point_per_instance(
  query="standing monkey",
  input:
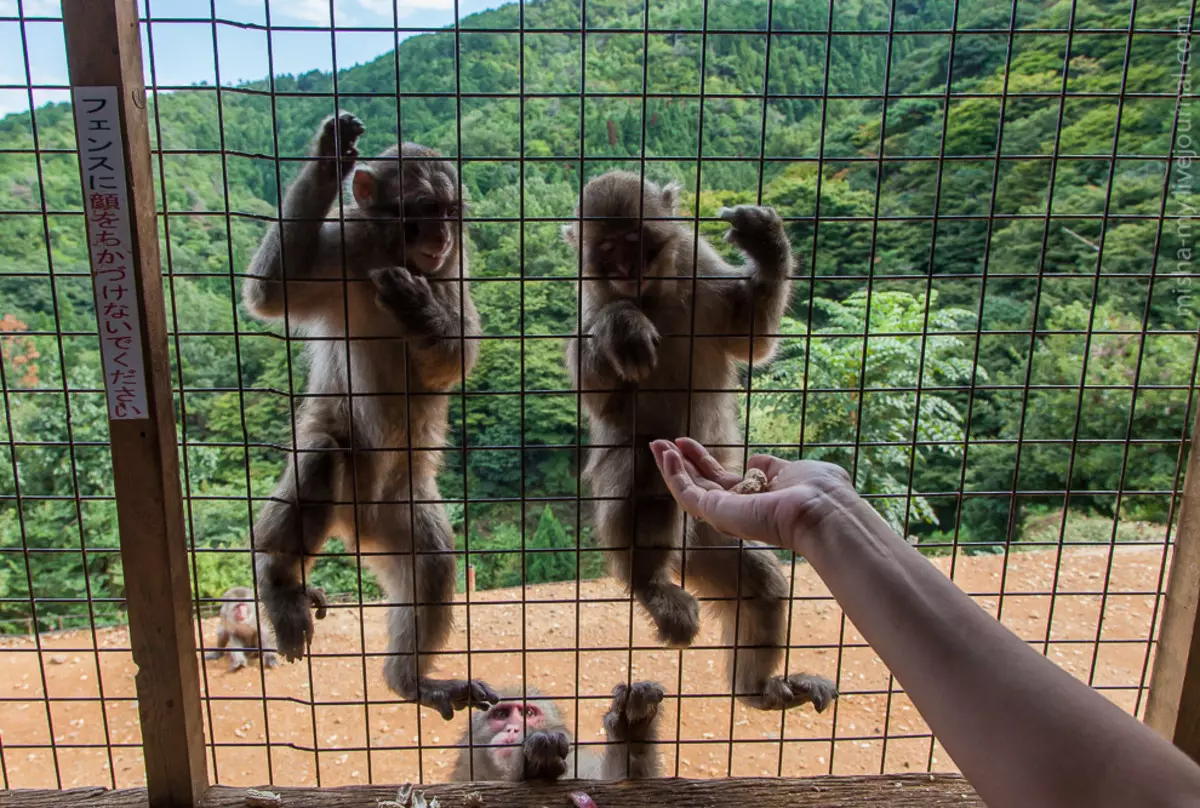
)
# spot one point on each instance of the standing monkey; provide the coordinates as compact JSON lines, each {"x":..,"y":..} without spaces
{"x":518,"y":740}
{"x":243,"y":630}
{"x":637,"y":365}
{"x":390,"y":277}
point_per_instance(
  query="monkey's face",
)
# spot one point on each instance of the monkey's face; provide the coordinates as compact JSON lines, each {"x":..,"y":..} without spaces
{"x":241,"y":612}
{"x":629,"y":244}
{"x":626,"y":255}
{"x":507,"y":723}
{"x":417,"y":218}
{"x":430,"y":233}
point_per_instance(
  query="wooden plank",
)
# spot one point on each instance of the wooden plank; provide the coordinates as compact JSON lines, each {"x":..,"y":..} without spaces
{"x":1173,"y":708}
{"x":900,"y":791}
{"x":104,"y":50}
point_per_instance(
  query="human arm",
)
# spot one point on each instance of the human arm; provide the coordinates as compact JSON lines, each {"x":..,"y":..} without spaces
{"x":1024,"y":732}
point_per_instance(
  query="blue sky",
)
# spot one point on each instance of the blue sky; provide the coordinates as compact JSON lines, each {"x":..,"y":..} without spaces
{"x":184,"y":53}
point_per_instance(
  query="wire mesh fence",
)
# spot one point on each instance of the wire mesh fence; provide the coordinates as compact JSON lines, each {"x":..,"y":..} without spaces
{"x":993,"y":327}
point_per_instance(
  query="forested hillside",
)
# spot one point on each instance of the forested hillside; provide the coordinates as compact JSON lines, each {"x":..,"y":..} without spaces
{"x":958,"y":277}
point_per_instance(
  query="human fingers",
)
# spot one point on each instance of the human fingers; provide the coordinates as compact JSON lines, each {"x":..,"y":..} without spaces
{"x":659,"y":447}
{"x":708,"y":466}
{"x":767,"y":464}
{"x":730,"y":513}
{"x":681,"y":484}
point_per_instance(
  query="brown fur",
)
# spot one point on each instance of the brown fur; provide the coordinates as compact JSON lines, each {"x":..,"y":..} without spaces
{"x":631,"y":724}
{"x":404,"y":354}
{"x":239,"y":637}
{"x":633,"y":368}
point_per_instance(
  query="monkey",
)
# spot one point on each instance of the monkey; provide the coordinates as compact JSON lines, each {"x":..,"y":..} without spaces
{"x":243,"y":629}
{"x":638,"y":372}
{"x":381,"y":293}
{"x":490,"y":743}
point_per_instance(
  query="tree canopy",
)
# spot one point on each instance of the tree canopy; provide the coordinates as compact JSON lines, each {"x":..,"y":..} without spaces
{"x":939,"y":312}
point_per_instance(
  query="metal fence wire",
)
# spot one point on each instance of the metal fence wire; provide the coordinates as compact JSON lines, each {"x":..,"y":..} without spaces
{"x":992,"y":327}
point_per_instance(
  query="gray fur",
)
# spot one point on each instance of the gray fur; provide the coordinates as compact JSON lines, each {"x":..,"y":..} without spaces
{"x":633,"y":368}
{"x":631,"y":724}
{"x":405,"y":353}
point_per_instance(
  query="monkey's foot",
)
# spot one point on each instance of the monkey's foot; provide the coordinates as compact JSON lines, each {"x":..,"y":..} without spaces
{"x":448,"y":696}
{"x":676,"y":614}
{"x":270,"y":661}
{"x":337,"y":138}
{"x":546,"y":755}
{"x":213,"y":656}
{"x":237,"y":662}
{"x":291,"y":615}
{"x":794,"y":690}
{"x":633,"y":709}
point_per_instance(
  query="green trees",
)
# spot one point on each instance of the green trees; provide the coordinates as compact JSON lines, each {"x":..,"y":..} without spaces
{"x":549,"y":553}
{"x":517,"y":416}
{"x":876,"y":404}
{"x":558,"y":565}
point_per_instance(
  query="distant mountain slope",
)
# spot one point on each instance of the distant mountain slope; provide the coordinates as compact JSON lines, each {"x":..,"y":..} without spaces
{"x":876,"y":192}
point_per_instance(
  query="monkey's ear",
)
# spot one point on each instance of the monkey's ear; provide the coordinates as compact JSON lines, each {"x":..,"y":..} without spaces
{"x":568,"y":234}
{"x":363,"y":186}
{"x":670,"y":196}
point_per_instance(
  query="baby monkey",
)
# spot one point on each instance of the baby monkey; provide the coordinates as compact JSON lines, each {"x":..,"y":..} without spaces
{"x":239,"y":632}
{"x":665,"y":323}
{"x":526,"y":740}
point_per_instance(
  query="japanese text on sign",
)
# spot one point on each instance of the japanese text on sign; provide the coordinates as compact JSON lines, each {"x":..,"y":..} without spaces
{"x":106,"y":203}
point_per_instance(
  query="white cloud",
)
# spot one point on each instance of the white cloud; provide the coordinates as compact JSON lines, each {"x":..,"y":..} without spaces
{"x":32,"y":8}
{"x":12,"y":100}
{"x":403,"y":7}
{"x":315,"y":12}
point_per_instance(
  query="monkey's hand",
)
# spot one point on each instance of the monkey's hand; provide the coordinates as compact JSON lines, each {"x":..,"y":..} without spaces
{"x":448,"y":696}
{"x":631,"y":715}
{"x":337,"y":137}
{"x":629,"y":341}
{"x":545,"y":755}
{"x":291,"y":616}
{"x":794,"y":690}
{"x":409,"y":298}
{"x":758,"y":231}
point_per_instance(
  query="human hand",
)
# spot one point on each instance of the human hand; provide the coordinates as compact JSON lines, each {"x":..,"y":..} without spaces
{"x":798,"y":496}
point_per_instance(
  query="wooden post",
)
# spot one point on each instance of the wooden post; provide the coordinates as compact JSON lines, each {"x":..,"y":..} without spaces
{"x":1173,"y":708}
{"x":104,"y":56}
{"x":470,"y":577}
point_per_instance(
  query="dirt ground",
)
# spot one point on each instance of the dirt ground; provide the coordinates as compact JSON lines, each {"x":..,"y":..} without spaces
{"x":319,"y":726}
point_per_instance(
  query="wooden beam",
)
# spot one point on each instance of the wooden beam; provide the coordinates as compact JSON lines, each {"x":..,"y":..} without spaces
{"x":897,"y":791}
{"x":104,"y":56}
{"x":1173,"y":708}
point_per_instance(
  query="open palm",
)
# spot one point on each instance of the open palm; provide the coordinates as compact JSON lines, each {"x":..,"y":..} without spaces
{"x":798,"y":495}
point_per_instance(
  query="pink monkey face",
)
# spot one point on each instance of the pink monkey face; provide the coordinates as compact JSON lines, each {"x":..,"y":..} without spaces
{"x":241,"y":612}
{"x":508,"y":722}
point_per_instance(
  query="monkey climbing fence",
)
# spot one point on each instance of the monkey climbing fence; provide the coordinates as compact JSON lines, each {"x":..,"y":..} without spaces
{"x":992,"y":328}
